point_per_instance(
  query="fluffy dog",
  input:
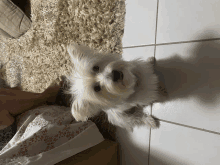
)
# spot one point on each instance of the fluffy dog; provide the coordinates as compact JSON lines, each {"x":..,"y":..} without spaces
{"x":104,"y":81}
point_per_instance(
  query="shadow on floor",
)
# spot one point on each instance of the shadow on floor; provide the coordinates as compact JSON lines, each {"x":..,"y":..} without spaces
{"x":197,"y":76}
{"x":131,"y":154}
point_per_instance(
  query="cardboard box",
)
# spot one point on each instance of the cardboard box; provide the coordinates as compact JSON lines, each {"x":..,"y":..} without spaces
{"x":104,"y":153}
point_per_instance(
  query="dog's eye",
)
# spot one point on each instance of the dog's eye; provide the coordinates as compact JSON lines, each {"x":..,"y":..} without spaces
{"x":97,"y":88}
{"x":95,"y":68}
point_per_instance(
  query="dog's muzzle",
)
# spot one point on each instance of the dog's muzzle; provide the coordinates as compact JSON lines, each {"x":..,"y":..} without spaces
{"x":117,"y":75}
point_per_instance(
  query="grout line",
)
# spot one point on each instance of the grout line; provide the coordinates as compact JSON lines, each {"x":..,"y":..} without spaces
{"x":170,"y":43}
{"x":138,"y":46}
{"x":154,"y":62}
{"x":205,"y":130}
{"x":156,"y":29}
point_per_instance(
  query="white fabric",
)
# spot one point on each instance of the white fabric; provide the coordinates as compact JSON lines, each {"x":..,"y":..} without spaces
{"x":47,"y":135}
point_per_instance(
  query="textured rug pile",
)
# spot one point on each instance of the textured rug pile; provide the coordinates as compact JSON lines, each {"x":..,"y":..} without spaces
{"x":39,"y":57}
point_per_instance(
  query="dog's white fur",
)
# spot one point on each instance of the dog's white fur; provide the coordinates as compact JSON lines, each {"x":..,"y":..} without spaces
{"x":104,"y":81}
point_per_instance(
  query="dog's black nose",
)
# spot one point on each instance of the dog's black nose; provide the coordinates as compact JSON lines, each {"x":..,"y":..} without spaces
{"x":117,"y":75}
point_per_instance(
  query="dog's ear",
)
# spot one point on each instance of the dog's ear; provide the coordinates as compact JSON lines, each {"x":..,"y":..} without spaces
{"x":74,"y":51}
{"x":83,"y":109}
{"x":78,"y":52}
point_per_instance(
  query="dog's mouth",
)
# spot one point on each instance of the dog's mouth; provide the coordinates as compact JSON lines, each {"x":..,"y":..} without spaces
{"x":124,"y":77}
{"x":136,"y":83}
{"x":117,"y":75}
{"x":123,"y":84}
{"x":121,"y":77}
{"x":129,"y":83}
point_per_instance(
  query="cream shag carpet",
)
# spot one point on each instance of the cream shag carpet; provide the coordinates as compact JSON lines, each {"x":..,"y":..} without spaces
{"x":39,"y":57}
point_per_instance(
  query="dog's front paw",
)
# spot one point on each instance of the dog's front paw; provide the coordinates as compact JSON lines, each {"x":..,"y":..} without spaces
{"x":151,"y":122}
{"x":151,"y":60}
{"x":129,"y":128}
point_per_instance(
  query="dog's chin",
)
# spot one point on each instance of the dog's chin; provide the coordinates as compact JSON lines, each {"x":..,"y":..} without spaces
{"x":129,"y":81}
{"x":129,"y":84}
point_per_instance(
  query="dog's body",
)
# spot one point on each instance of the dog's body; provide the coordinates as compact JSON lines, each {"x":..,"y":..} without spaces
{"x":104,"y":81}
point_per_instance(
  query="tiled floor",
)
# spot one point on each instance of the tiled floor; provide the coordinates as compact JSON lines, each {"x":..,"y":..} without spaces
{"x":184,"y":36}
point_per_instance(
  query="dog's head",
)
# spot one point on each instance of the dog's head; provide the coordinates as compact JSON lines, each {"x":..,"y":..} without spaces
{"x":98,"y":81}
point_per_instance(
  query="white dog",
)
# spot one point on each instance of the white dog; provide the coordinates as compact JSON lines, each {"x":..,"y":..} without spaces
{"x":104,"y":81}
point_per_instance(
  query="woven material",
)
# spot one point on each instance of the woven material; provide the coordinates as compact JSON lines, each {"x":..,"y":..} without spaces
{"x":47,"y":135}
{"x":13,"y":21}
{"x":7,"y":134}
{"x":40,"y":57}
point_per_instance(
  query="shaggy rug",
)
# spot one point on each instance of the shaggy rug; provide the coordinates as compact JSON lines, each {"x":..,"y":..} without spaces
{"x":39,"y":57}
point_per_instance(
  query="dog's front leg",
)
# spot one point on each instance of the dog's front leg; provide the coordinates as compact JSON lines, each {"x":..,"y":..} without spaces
{"x":130,"y":118}
{"x":116,"y":117}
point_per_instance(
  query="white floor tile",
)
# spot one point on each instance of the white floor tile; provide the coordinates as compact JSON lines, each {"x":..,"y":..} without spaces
{"x":140,"y":22}
{"x":184,"y":20}
{"x":191,"y":74}
{"x":134,"y":146}
{"x":175,"y":145}
{"x":138,"y":52}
